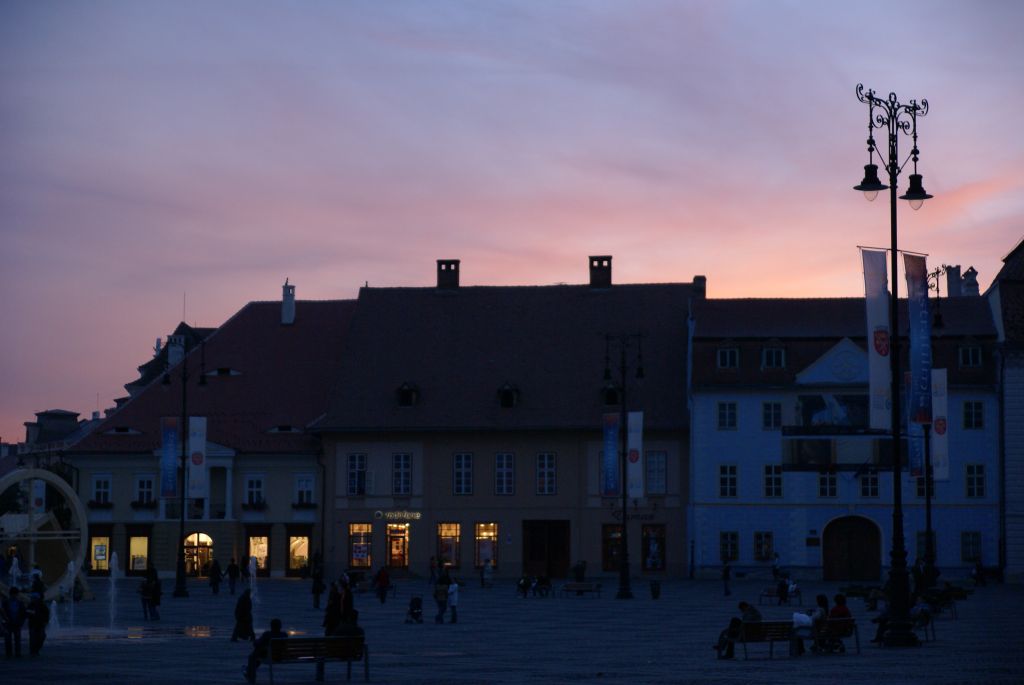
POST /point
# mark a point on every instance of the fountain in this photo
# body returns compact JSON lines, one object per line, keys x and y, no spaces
{"x":113,"y":587}
{"x":54,"y":625}
{"x":72,"y":578}
{"x":15,"y":572}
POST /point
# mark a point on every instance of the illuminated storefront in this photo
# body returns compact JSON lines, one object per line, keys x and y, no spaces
{"x":398,"y":545}
{"x":360,"y":545}
{"x":448,"y":544}
{"x":486,"y":545}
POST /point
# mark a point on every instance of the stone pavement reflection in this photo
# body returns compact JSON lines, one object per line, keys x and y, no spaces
{"x":501,"y":638}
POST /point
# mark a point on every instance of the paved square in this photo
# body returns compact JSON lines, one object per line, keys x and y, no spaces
{"x":501,"y":638}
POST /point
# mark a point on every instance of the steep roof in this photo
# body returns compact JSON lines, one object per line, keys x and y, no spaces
{"x":459,"y":346}
{"x":824,"y":318}
{"x":1013,"y":265}
{"x":284,"y":375}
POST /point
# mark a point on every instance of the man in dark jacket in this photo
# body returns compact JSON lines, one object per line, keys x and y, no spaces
{"x":261,"y":648}
{"x":38,"y":619}
{"x":14,"y":618}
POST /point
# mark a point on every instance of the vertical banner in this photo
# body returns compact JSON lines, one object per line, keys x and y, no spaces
{"x":635,"y":448}
{"x":915,"y":445}
{"x":38,"y":496}
{"x":610,"y":456}
{"x":876,"y":298}
{"x":169,"y":456}
{"x":940,"y":426}
{"x":198,"y":483}
{"x":920,"y":396}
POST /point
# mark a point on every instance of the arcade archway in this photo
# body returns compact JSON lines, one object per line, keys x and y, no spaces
{"x":852,"y":549}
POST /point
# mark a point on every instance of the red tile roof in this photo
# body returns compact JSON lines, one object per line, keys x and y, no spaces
{"x":286,"y":374}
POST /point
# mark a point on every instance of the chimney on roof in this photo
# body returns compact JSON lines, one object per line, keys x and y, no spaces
{"x":96,"y":415}
{"x":448,"y":274}
{"x":287,"y":304}
{"x":601,"y":271}
{"x":953,"y":281}
{"x":970,"y":282}
{"x":700,"y":286}
{"x":175,"y":349}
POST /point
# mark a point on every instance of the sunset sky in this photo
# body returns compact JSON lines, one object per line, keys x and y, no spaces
{"x":150,"y":150}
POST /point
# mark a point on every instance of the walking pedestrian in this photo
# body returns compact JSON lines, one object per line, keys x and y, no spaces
{"x":433,"y":571}
{"x":441,"y":596}
{"x":154,"y":593}
{"x":318,"y":586}
{"x":13,"y":611}
{"x":775,"y":566}
{"x":144,"y":597}
{"x":726,"y":575}
{"x":243,"y":618}
{"x":216,"y":575}
{"x":383,"y":582}
{"x":232,"y":573}
{"x":38,"y":618}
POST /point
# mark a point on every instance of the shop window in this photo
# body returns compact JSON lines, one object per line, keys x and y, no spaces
{"x":360,"y":544}
{"x":486,"y":539}
{"x":138,"y":553}
{"x":298,"y":552}
{"x":99,"y":553}
{"x":652,"y":537}
{"x":448,"y":544}
{"x":611,"y":546}
{"x":198,"y":554}
{"x":398,"y":545}
{"x":259,"y":547}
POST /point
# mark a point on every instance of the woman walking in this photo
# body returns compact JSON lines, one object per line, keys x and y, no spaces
{"x":243,"y":618}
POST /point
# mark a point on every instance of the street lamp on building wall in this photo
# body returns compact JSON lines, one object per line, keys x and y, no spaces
{"x":889,"y":115}
{"x":180,"y":586}
{"x":624,"y":341}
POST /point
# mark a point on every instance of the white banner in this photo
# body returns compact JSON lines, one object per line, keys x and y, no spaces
{"x":634,"y":450}
{"x":876,"y":298}
{"x":940,"y":426}
{"x":198,"y":483}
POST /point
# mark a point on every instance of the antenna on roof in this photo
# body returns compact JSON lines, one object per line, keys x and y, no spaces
{"x":183,"y":293}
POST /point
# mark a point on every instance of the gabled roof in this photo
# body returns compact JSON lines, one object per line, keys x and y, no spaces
{"x":1013,"y":265}
{"x":284,"y":377}
{"x":154,"y":368}
{"x":458,"y":347}
{"x":811,"y":318}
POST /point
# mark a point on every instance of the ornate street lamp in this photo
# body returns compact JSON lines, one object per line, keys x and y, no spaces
{"x":623,"y":341}
{"x":893,"y":117}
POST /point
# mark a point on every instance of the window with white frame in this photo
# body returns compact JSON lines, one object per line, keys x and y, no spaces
{"x":970,"y":356}
{"x":656,"y":472}
{"x":304,"y":488}
{"x":144,"y":487}
{"x":771,"y":416}
{"x":727,"y":480}
{"x":728,"y":358}
{"x":827,"y":484}
{"x":504,"y":473}
{"x":254,"y":489}
{"x":869,"y":483}
{"x":773,"y":480}
{"x":920,"y":487}
{"x":101,"y":488}
{"x":726,"y":416}
{"x":970,"y":546}
{"x":975,"y":477}
{"x":974,"y":415}
{"x":773,"y":358}
{"x":546,"y":483}
{"x":357,"y":474}
{"x":401,"y":474}
{"x":462,"y":474}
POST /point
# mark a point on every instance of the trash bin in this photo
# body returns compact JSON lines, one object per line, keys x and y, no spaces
{"x":655,"y":589}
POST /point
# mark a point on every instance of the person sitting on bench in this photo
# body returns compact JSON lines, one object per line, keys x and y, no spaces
{"x":261,"y":648}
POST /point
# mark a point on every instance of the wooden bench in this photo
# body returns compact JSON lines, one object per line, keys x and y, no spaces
{"x":837,"y":629}
{"x":317,"y":650}
{"x":580,"y":588}
{"x":765,"y":631}
{"x":772,"y":592}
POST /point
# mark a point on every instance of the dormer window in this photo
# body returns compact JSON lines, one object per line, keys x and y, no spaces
{"x":408,"y":395}
{"x":508,"y":396}
{"x":728,"y":358}
{"x":773,"y":358}
{"x":123,"y":430}
{"x":611,"y":395}
{"x":970,"y":356}
{"x":285,"y":428}
{"x":224,"y":371}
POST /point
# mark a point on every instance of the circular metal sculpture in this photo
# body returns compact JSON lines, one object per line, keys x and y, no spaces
{"x":56,"y":541}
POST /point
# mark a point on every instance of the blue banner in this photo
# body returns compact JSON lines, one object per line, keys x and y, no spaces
{"x":610,"y":457}
{"x":169,"y":456}
{"x":920,"y":324}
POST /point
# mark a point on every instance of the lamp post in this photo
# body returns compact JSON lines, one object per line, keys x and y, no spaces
{"x":180,"y":586}
{"x":623,"y":341}
{"x":893,"y":117}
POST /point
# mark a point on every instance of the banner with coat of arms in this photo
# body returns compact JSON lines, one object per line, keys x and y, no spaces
{"x":940,"y":426}
{"x":876,"y":297}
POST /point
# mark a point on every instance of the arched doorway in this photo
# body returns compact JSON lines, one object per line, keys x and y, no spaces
{"x":198,"y":553}
{"x":852,"y":549}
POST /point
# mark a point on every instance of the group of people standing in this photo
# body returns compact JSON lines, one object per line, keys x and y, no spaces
{"x":15,"y":613}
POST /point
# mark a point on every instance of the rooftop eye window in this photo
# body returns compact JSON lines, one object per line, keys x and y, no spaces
{"x":224,"y":371}
{"x":285,"y":428}
{"x":123,"y":430}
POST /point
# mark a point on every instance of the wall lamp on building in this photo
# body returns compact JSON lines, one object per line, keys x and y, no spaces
{"x":894,"y":118}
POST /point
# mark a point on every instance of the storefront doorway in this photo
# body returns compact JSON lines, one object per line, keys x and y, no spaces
{"x":198,"y":554}
{"x":398,"y":545}
{"x":852,"y":550}
{"x":546,"y":548}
